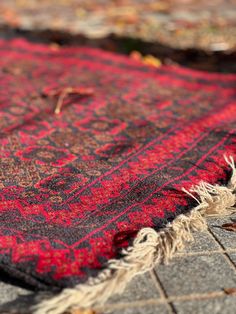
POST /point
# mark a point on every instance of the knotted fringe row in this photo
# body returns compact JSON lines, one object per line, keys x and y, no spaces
{"x":149,"y":248}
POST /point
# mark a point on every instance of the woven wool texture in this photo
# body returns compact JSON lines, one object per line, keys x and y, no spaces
{"x":76,"y":187}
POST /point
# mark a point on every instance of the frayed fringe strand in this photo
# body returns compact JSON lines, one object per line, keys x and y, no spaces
{"x":149,"y":248}
{"x":216,"y":200}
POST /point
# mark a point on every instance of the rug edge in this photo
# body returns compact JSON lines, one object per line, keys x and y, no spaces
{"x":149,"y":249}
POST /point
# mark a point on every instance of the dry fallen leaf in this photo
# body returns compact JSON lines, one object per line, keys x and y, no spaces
{"x":54,"y":46}
{"x":229,"y":226}
{"x":136,"y":55}
{"x":148,"y":59}
{"x":152,"y":61}
{"x":230,"y":291}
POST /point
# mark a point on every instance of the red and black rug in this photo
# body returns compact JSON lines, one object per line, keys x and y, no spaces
{"x":76,"y":185}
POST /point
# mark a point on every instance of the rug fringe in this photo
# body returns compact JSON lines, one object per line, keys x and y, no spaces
{"x":149,"y":248}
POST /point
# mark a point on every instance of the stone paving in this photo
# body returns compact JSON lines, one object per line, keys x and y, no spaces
{"x":194,"y":282}
{"x":208,"y":25}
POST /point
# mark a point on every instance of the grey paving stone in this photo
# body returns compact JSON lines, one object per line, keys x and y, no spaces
{"x":9,"y":293}
{"x":233,"y":257}
{"x":225,"y":305}
{"x":196,"y":274}
{"x":226,"y":238}
{"x":23,"y":302}
{"x":140,"y":288}
{"x":147,"y":309}
{"x":203,"y":242}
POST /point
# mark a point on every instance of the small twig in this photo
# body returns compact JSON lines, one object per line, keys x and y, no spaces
{"x":60,"y":101}
{"x":63,"y":92}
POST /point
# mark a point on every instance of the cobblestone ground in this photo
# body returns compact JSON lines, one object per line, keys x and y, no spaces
{"x":209,"y":25}
{"x":195,"y":281}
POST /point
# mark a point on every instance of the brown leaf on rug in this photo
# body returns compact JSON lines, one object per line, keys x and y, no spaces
{"x":148,"y":59}
{"x":229,"y":226}
{"x":230,"y":291}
